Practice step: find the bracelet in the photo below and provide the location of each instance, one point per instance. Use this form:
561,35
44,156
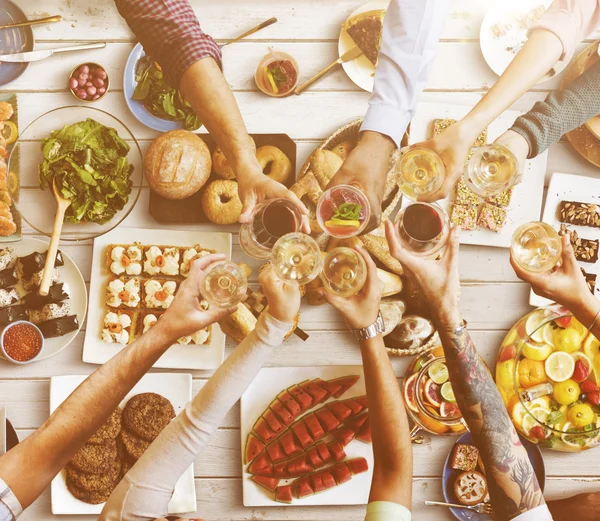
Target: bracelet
594,322
459,329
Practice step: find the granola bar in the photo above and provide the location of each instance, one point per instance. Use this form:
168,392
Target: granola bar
492,217
441,124
464,195
586,250
464,216
464,457
590,279
582,214
501,199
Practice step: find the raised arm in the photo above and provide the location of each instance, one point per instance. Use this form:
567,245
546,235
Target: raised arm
512,483
391,488
411,32
29,468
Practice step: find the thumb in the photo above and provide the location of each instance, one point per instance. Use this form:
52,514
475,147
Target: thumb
249,202
568,255
453,245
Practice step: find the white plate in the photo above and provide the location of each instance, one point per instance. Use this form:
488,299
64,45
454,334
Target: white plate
566,187
266,386
74,285
177,388
500,51
360,70
526,203
95,351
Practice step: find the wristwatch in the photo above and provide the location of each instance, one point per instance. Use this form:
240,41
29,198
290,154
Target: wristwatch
376,328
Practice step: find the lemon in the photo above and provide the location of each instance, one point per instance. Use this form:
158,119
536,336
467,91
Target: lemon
518,414
529,420
566,392
505,373
448,392
568,437
548,334
567,340
559,366
10,132
438,372
543,402
343,222
532,326
536,351
581,415
591,346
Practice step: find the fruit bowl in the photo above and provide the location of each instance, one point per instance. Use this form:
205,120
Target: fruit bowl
548,373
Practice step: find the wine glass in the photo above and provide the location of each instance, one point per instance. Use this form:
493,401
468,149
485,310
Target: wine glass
491,170
343,211
422,228
536,246
421,172
344,272
296,258
224,284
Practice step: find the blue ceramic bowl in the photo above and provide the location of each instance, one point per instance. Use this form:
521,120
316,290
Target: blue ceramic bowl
12,41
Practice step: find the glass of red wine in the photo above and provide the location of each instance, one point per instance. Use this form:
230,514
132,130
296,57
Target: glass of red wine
270,221
422,228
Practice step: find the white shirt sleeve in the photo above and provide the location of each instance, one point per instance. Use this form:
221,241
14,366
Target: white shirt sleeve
387,511
541,513
145,491
411,31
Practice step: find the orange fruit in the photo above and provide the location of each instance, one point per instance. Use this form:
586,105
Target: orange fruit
430,424
512,401
438,351
531,372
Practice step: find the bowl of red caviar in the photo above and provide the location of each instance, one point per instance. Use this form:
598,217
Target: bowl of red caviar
21,342
277,74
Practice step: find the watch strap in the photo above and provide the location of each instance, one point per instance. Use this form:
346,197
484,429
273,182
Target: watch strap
376,328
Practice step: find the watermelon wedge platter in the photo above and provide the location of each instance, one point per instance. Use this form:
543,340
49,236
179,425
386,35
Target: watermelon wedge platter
303,438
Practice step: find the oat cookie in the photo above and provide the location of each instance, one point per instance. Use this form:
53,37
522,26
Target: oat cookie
134,446
109,431
95,459
95,482
93,498
147,414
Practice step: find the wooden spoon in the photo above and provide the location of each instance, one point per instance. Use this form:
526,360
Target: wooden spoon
61,207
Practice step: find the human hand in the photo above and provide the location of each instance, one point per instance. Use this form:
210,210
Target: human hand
438,280
367,166
360,310
283,298
187,314
564,285
517,144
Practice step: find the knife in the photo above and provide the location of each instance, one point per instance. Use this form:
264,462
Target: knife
350,55
34,56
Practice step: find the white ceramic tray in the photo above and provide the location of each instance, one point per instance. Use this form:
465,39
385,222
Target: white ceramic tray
95,351
177,388
266,386
526,203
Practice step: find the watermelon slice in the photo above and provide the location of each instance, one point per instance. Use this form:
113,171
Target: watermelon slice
364,434
263,431
281,412
326,418
336,450
362,400
313,426
341,473
276,452
303,488
345,382
328,479
261,461
269,483
283,494
357,465
323,452
274,424
354,406
253,448
331,387
299,466
290,404
289,443
339,410
315,459
317,482
280,470
356,423
304,400
315,390
343,434
264,471
302,434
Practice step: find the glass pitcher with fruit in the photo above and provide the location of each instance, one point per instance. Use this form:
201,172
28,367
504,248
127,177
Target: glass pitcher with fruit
429,397
548,373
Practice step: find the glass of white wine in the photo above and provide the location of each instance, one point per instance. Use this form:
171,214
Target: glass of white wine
224,284
344,272
421,172
491,170
296,258
536,246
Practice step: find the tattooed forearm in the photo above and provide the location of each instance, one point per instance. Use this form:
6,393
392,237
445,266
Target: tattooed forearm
511,481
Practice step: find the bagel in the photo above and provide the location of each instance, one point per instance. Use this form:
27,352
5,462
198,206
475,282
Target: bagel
220,165
221,203
278,164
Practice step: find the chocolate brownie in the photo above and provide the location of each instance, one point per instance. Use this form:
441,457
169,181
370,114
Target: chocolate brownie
109,431
147,414
95,482
95,459
583,214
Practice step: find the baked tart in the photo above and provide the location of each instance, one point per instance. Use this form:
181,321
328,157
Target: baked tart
365,30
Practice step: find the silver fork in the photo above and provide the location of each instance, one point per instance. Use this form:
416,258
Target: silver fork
480,508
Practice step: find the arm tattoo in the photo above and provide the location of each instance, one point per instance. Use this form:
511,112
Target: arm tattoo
511,481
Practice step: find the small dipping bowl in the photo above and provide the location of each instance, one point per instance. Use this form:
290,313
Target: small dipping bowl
260,76
91,82
11,337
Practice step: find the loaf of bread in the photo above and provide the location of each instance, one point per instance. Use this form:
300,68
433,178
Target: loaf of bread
177,164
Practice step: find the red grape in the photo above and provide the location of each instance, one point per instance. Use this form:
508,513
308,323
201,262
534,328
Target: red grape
83,76
101,73
84,69
88,83
98,82
102,91
82,94
91,90
73,83
81,83
96,96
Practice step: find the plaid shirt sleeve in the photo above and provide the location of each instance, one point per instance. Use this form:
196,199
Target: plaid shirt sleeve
169,32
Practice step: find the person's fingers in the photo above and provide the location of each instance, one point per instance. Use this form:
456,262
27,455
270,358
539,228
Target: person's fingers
568,259
215,314
396,250
374,220
249,201
288,194
453,246
305,227
442,192
198,266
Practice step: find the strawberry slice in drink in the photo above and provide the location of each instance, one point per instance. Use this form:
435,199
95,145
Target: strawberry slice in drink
266,482
301,433
280,470
315,390
290,404
344,435
304,400
357,465
324,452
339,410
263,431
274,424
313,426
341,473
276,452
289,444
336,450
327,420
283,494
345,383
253,448
281,412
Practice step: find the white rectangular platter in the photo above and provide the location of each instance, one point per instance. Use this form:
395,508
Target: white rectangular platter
95,351
177,388
526,203
261,392
566,187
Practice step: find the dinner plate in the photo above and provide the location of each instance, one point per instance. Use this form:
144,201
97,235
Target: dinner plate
526,202
95,351
504,31
260,393
13,40
177,388
449,475
74,285
360,70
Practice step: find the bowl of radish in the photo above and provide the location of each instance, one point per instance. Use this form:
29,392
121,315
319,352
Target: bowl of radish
89,82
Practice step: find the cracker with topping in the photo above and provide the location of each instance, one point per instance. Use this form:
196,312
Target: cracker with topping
464,216
502,199
464,195
492,217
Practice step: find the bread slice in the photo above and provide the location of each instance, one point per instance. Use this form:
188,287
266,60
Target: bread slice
365,30
239,324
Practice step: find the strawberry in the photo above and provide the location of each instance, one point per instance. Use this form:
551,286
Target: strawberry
593,398
538,433
508,353
581,372
589,387
563,321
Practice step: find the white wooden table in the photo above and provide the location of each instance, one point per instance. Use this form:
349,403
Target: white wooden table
492,298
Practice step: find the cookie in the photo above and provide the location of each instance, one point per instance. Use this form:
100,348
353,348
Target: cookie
126,465
95,482
134,446
109,431
93,498
95,459
147,414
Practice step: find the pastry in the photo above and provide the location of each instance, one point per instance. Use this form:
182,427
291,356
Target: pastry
470,488
343,149
324,164
221,203
392,312
239,324
439,125
308,186
464,216
492,217
275,164
177,164
188,255
49,311
147,414
123,293
582,214
365,30
412,332
392,283
118,327
220,165
161,260
590,279
92,498
124,259
378,247
159,294
464,457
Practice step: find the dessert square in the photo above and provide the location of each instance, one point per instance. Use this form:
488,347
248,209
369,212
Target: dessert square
492,217
464,195
590,279
158,294
464,216
502,199
586,250
124,293
161,260
124,259
118,327
190,254
441,124
464,457
582,214
199,338
146,321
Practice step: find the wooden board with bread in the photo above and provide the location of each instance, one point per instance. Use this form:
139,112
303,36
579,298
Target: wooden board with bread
191,182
